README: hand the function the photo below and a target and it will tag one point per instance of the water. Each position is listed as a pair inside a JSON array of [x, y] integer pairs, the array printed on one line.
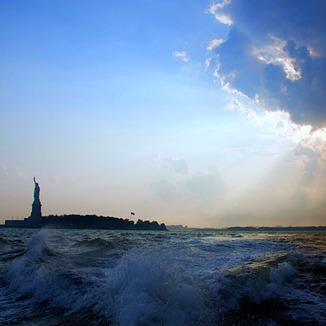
[[89, 277]]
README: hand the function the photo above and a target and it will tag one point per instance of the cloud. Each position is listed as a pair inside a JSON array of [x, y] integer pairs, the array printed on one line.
[[178, 165], [207, 186], [313, 162], [276, 53], [165, 190], [175, 164], [212, 45], [219, 15], [203, 186], [280, 126], [181, 55], [276, 122]]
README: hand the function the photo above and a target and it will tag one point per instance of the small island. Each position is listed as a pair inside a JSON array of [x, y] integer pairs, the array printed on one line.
[[76, 221]]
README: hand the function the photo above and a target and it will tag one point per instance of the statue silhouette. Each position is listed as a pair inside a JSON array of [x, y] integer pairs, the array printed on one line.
[[36, 214], [36, 191]]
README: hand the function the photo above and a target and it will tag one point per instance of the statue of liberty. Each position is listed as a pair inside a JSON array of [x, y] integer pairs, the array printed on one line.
[[36, 214], [36, 191]]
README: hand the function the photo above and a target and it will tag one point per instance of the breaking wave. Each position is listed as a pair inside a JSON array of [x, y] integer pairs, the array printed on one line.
[[173, 280]]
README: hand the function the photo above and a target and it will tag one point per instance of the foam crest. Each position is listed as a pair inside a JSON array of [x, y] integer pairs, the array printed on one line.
[[179, 286], [152, 287], [35, 275]]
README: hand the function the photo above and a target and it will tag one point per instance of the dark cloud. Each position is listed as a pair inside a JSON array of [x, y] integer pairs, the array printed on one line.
[[302, 150], [276, 50]]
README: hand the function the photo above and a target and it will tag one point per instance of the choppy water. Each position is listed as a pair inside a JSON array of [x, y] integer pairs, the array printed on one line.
[[89, 277]]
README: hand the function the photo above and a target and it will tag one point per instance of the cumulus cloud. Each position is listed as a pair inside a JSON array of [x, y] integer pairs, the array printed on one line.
[[276, 53], [279, 126], [181, 55], [221, 16], [212, 45]]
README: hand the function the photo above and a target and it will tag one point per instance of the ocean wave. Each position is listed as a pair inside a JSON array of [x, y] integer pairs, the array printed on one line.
[[166, 281], [97, 242], [163, 289]]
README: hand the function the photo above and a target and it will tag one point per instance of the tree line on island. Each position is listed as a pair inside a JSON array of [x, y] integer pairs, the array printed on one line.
[[75, 221]]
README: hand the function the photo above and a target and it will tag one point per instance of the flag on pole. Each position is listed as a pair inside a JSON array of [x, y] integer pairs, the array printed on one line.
[[132, 213]]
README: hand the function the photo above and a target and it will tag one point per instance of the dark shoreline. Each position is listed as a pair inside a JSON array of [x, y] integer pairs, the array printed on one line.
[[91, 222], [250, 228], [146, 225]]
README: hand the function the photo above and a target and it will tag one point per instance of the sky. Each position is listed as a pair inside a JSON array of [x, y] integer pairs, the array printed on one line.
[[193, 112]]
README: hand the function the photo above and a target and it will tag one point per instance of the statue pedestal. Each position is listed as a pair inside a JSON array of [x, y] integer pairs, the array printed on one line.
[[36, 214]]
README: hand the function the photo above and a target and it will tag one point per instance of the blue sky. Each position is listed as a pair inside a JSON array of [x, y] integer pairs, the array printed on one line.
[[198, 113]]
